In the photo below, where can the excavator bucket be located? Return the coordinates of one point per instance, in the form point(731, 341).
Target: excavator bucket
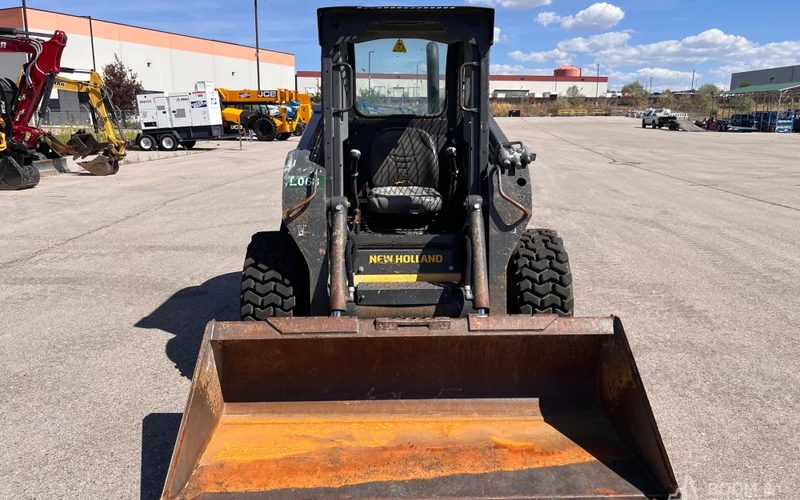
point(83, 145)
point(16, 174)
point(101, 165)
point(486, 407)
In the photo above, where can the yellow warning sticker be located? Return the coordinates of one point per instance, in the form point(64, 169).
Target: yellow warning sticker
point(399, 46)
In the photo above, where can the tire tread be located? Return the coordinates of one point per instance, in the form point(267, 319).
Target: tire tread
point(540, 275)
point(271, 281)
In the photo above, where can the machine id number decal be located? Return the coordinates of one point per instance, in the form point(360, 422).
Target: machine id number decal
point(301, 181)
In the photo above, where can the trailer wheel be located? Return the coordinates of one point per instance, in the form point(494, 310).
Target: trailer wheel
point(188, 144)
point(147, 143)
point(273, 281)
point(167, 142)
point(540, 280)
point(265, 129)
point(284, 136)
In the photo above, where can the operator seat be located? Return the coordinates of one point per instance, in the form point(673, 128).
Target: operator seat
point(404, 173)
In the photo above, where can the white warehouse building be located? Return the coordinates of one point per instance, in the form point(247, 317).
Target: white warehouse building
point(500, 86)
point(166, 62)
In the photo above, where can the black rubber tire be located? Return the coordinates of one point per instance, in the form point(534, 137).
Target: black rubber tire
point(273, 283)
point(167, 142)
point(540, 280)
point(143, 143)
point(284, 136)
point(299, 129)
point(188, 144)
point(265, 129)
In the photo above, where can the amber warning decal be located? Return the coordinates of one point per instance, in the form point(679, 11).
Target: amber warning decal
point(399, 46)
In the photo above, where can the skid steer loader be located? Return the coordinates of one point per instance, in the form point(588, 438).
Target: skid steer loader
point(411, 338)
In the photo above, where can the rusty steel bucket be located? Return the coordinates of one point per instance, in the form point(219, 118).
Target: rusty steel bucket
point(481, 407)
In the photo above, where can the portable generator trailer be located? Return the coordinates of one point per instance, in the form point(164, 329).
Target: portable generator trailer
point(407, 336)
point(170, 119)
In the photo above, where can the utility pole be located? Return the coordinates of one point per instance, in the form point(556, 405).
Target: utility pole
point(258, 61)
point(597, 86)
point(24, 15)
point(693, 80)
point(91, 37)
point(369, 68)
point(651, 84)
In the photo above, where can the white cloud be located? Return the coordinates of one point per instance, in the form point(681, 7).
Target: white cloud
point(545, 18)
point(511, 4)
point(517, 69)
point(663, 78)
point(733, 51)
point(557, 55)
point(498, 37)
point(595, 42)
point(597, 17)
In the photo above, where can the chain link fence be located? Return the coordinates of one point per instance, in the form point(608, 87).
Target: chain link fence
point(63, 123)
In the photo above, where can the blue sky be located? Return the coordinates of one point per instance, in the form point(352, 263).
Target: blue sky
point(630, 39)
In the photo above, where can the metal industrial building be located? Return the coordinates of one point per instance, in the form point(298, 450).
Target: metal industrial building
point(500, 86)
point(164, 61)
point(786, 74)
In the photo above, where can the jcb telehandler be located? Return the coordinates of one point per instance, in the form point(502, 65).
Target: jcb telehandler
point(253, 110)
point(412, 339)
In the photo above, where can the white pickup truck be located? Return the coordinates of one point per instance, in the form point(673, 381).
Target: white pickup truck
point(659, 117)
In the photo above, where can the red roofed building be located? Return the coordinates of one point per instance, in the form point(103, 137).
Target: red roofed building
point(500, 86)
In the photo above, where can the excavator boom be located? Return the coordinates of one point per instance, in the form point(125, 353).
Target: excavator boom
point(38, 75)
point(112, 150)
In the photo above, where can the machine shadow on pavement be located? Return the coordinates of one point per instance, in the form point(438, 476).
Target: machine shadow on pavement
point(159, 431)
point(186, 313)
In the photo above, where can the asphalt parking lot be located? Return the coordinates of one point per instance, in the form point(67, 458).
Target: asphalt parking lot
point(693, 239)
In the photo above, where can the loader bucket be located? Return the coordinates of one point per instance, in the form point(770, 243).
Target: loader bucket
point(15, 175)
point(482, 407)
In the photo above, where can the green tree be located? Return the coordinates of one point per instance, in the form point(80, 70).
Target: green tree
point(639, 95)
point(562, 102)
point(744, 84)
point(668, 100)
point(574, 97)
point(705, 97)
point(123, 83)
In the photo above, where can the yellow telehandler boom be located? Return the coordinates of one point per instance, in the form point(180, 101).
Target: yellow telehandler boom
point(290, 111)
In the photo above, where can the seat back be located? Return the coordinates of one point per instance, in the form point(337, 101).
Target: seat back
point(404, 156)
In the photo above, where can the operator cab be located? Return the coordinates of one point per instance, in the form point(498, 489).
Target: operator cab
point(401, 154)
